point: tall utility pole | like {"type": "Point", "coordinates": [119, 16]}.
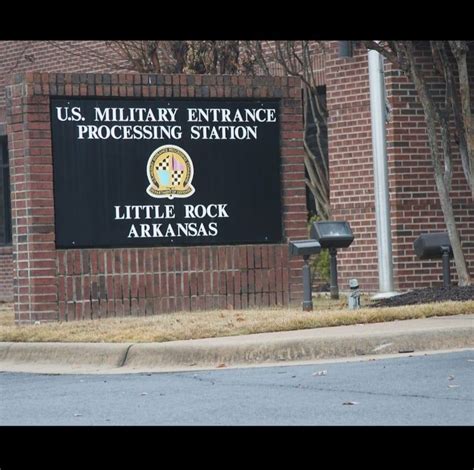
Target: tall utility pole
{"type": "Point", "coordinates": [382, 202]}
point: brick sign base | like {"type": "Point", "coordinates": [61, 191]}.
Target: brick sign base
{"type": "Point", "coordinates": [74, 284]}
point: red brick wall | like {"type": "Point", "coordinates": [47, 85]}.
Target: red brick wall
{"type": "Point", "coordinates": [120, 282]}
{"type": "Point", "coordinates": [414, 201]}
{"type": "Point", "coordinates": [416, 207]}
{"type": "Point", "coordinates": [53, 56]}
{"type": "Point", "coordinates": [45, 56]}
{"type": "Point", "coordinates": [55, 284]}
{"type": "Point", "coordinates": [351, 164]}
{"type": "Point", "coordinates": [6, 273]}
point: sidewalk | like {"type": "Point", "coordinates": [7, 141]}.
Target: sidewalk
{"type": "Point", "coordinates": [407, 336]}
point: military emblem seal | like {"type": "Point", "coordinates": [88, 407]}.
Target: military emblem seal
{"type": "Point", "coordinates": [170, 172]}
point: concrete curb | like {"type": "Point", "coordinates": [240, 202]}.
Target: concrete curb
{"type": "Point", "coordinates": [24, 356]}
{"type": "Point", "coordinates": [305, 345]}
{"type": "Point", "coordinates": [431, 334]}
{"type": "Point", "coordinates": [162, 357]}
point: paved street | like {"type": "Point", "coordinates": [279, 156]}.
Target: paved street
{"type": "Point", "coordinates": [436, 389]}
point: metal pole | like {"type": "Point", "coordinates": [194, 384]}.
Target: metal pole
{"type": "Point", "coordinates": [334, 288]}
{"type": "Point", "coordinates": [382, 204]}
{"type": "Point", "coordinates": [446, 270]}
{"type": "Point", "coordinates": [307, 294]}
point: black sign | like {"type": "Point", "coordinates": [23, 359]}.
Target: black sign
{"type": "Point", "coordinates": [143, 172]}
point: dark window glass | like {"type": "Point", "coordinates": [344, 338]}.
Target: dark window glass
{"type": "Point", "coordinates": [5, 208]}
{"type": "Point", "coordinates": [317, 142]}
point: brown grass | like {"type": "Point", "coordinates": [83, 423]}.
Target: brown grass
{"type": "Point", "coordinates": [194, 325]}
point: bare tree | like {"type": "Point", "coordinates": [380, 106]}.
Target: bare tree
{"type": "Point", "coordinates": [215, 57]}
{"type": "Point", "coordinates": [449, 59]}
{"type": "Point", "coordinates": [201, 57]}
{"type": "Point", "coordinates": [295, 58]}
{"type": "Point", "coordinates": [464, 125]}
{"type": "Point", "coordinates": [151, 56]}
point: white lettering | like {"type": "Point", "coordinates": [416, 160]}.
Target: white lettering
{"type": "Point", "coordinates": [145, 231]}
{"type": "Point", "coordinates": [82, 130]}
{"type": "Point", "coordinates": [76, 113]}
{"type": "Point", "coordinates": [129, 132]}
{"type": "Point", "coordinates": [102, 115]}
{"type": "Point", "coordinates": [202, 231]}
{"type": "Point", "coordinates": [223, 132]}
{"type": "Point", "coordinates": [192, 115]}
{"type": "Point", "coordinates": [133, 232]}
{"type": "Point", "coordinates": [200, 211]}
{"type": "Point", "coordinates": [59, 115]}
{"type": "Point", "coordinates": [156, 230]}
{"type": "Point", "coordinates": [170, 231]}
{"type": "Point", "coordinates": [222, 211]}
{"type": "Point", "coordinates": [188, 211]}
{"type": "Point", "coordinates": [195, 132]}
{"type": "Point", "coordinates": [213, 229]}
{"type": "Point", "coordinates": [117, 213]}
{"type": "Point", "coordinates": [192, 229]}
{"type": "Point", "coordinates": [226, 115]}
{"type": "Point", "coordinates": [172, 113]}
{"type": "Point", "coordinates": [150, 116]}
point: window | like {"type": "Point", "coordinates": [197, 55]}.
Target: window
{"type": "Point", "coordinates": [317, 141]}
{"type": "Point", "coordinates": [5, 208]}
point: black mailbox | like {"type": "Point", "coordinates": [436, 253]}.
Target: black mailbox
{"type": "Point", "coordinates": [331, 234]}
{"type": "Point", "coordinates": [434, 246]}
{"type": "Point", "coordinates": [429, 245]}
{"type": "Point", "coordinates": [304, 247]}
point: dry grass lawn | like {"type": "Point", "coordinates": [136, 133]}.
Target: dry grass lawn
{"type": "Point", "coordinates": [194, 325]}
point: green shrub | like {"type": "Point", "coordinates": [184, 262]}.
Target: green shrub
{"type": "Point", "coordinates": [319, 263]}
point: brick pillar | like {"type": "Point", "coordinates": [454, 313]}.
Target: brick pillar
{"type": "Point", "coordinates": [293, 186]}
{"type": "Point", "coordinates": [351, 171]}
{"type": "Point", "coordinates": [34, 259]}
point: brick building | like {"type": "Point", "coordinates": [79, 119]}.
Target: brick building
{"type": "Point", "coordinates": [414, 202]}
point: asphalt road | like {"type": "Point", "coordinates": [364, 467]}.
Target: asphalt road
{"type": "Point", "coordinates": [435, 389]}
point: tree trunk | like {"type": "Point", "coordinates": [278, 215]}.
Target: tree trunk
{"type": "Point", "coordinates": [450, 221]}
{"type": "Point", "coordinates": [433, 120]}
{"type": "Point", "coordinates": [460, 51]}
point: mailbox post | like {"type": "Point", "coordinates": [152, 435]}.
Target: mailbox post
{"type": "Point", "coordinates": [435, 246]}
{"type": "Point", "coordinates": [305, 248]}
{"type": "Point", "coordinates": [446, 271]}
{"type": "Point", "coordinates": [332, 235]}
{"type": "Point", "coordinates": [333, 287]}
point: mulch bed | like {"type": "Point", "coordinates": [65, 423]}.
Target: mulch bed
{"type": "Point", "coordinates": [428, 295]}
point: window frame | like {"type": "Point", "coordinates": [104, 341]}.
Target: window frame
{"type": "Point", "coordinates": [6, 233]}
